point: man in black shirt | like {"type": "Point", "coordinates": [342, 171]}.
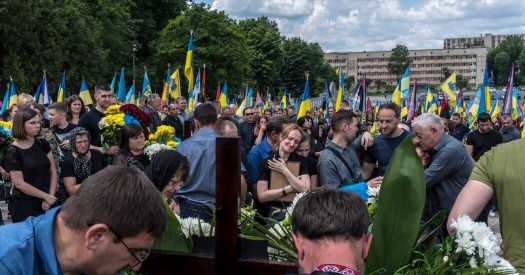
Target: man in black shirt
{"type": "Point", "coordinates": [90, 120]}
{"type": "Point", "coordinates": [247, 127]}
{"type": "Point", "coordinates": [482, 139]}
{"type": "Point", "coordinates": [456, 128]}
{"type": "Point", "coordinates": [378, 156]}
{"type": "Point", "coordinates": [58, 121]}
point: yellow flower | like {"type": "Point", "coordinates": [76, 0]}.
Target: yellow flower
{"type": "Point", "coordinates": [6, 124]}
{"type": "Point", "coordinates": [165, 131]}
{"type": "Point", "coordinates": [152, 137]}
{"type": "Point", "coordinates": [172, 144]}
{"type": "Point", "coordinates": [113, 109]}
{"type": "Point", "coordinates": [116, 120]}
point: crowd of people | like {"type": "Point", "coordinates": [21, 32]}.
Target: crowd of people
{"type": "Point", "coordinates": [58, 159]}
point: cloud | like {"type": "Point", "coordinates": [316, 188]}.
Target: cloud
{"type": "Point", "coordinates": [357, 25]}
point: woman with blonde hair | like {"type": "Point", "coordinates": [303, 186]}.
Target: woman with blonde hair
{"type": "Point", "coordinates": [283, 154]}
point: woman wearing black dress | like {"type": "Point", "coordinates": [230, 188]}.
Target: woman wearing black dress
{"type": "Point", "coordinates": [132, 143]}
{"type": "Point", "coordinates": [31, 166]}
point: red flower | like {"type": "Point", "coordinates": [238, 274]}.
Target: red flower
{"type": "Point", "coordinates": [136, 112]}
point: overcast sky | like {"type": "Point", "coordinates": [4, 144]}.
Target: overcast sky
{"type": "Point", "coordinates": [358, 25]}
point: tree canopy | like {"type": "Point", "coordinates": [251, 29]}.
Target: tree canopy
{"type": "Point", "coordinates": [94, 39]}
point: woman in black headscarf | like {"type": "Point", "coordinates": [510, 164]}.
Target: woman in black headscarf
{"type": "Point", "coordinates": [168, 170]}
{"type": "Point", "coordinates": [81, 162]}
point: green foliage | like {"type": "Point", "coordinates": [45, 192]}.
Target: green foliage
{"type": "Point", "coordinates": [397, 222]}
{"type": "Point", "coordinates": [218, 42]}
{"type": "Point", "coordinates": [264, 42]}
{"type": "Point", "coordinates": [398, 61]}
{"type": "Point", "coordinates": [521, 74]}
{"type": "Point", "coordinates": [501, 66]}
{"type": "Point", "coordinates": [508, 51]}
{"type": "Point", "coordinates": [93, 39]}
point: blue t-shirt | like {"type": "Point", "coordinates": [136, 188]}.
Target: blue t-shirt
{"type": "Point", "coordinates": [382, 150]}
{"type": "Point", "coordinates": [28, 247]}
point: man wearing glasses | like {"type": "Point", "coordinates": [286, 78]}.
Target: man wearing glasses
{"type": "Point", "coordinates": [108, 225]}
{"type": "Point", "coordinates": [247, 128]}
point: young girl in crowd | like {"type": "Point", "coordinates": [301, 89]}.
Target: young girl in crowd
{"type": "Point", "coordinates": [31, 166]}
{"type": "Point", "coordinates": [132, 142]}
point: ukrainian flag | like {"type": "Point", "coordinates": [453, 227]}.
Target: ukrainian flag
{"type": "Point", "coordinates": [194, 95]}
{"type": "Point", "coordinates": [113, 85]}
{"type": "Point", "coordinates": [223, 98]}
{"type": "Point", "coordinates": [121, 94]}
{"type": "Point", "coordinates": [306, 103]}
{"type": "Point", "coordinates": [484, 94]}
{"type": "Point", "coordinates": [130, 97]}
{"type": "Point", "coordinates": [166, 86]}
{"type": "Point", "coordinates": [5, 102]}
{"type": "Point", "coordinates": [84, 93]}
{"type": "Point", "coordinates": [405, 83]}
{"type": "Point", "coordinates": [62, 89]}
{"type": "Point", "coordinates": [188, 67]}
{"type": "Point", "coordinates": [175, 84]}
{"type": "Point", "coordinates": [146, 87]}
{"type": "Point", "coordinates": [449, 88]}
{"type": "Point", "coordinates": [428, 101]}
{"type": "Point", "coordinates": [339, 98]}
{"type": "Point", "coordinates": [250, 97]}
{"type": "Point", "coordinates": [241, 107]}
{"type": "Point", "coordinates": [284, 100]}
{"type": "Point", "coordinates": [396, 96]}
{"type": "Point", "coordinates": [12, 95]}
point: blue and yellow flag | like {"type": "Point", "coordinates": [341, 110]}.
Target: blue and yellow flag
{"type": "Point", "coordinates": [449, 88]}
{"type": "Point", "coordinates": [484, 94]}
{"type": "Point", "coordinates": [251, 98]}
{"type": "Point", "coordinates": [13, 98]}
{"type": "Point", "coordinates": [284, 100]}
{"type": "Point", "coordinates": [339, 98]}
{"type": "Point", "coordinates": [166, 86]}
{"type": "Point", "coordinates": [223, 99]}
{"type": "Point", "coordinates": [396, 96]}
{"type": "Point", "coordinates": [130, 97]}
{"type": "Point", "coordinates": [405, 83]}
{"type": "Point", "coordinates": [429, 100]}
{"type": "Point", "coordinates": [188, 67]}
{"type": "Point", "coordinates": [194, 95]}
{"type": "Point", "coordinates": [306, 103]}
{"type": "Point", "coordinates": [5, 102]}
{"type": "Point", "coordinates": [121, 94]}
{"type": "Point", "coordinates": [146, 87]}
{"type": "Point", "coordinates": [113, 85]}
{"type": "Point", "coordinates": [175, 85]}
{"type": "Point", "coordinates": [62, 89]}
{"type": "Point", "coordinates": [84, 93]}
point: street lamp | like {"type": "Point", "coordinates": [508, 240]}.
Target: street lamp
{"type": "Point", "coordinates": [134, 49]}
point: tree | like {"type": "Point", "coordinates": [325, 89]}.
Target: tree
{"type": "Point", "coordinates": [264, 43]}
{"type": "Point", "coordinates": [461, 82]}
{"type": "Point", "coordinates": [399, 60]}
{"type": "Point", "coordinates": [218, 42]}
{"type": "Point", "coordinates": [521, 74]}
{"type": "Point", "coordinates": [501, 64]}
{"type": "Point", "coordinates": [55, 36]}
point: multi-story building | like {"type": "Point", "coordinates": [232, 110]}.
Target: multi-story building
{"type": "Point", "coordinates": [466, 56]}
{"type": "Point", "coordinates": [487, 40]}
{"type": "Point", "coordinates": [427, 66]}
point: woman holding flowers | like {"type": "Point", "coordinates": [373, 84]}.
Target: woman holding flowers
{"type": "Point", "coordinates": [278, 161]}
{"type": "Point", "coordinates": [132, 143]}
{"type": "Point", "coordinates": [31, 166]}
